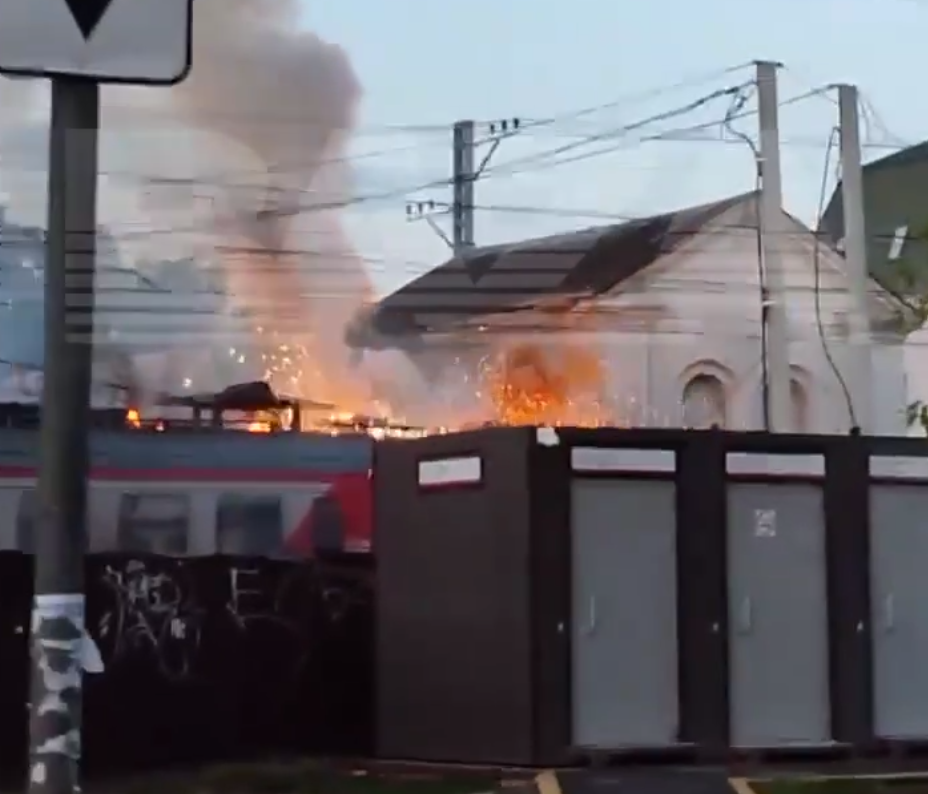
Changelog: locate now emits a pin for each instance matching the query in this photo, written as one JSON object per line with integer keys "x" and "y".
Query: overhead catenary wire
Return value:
{"x": 545, "y": 159}
{"x": 622, "y": 130}
{"x": 613, "y": 133}
{"x": 737, "y": 105}
{"x": 301, "y": 207}
{"x": 548, "y": 159}
{"x": 580, "y": 213}
{"x": 260, "y": 258}
{"x": 873, "y": 119}
{"x": 817, "y": 276}
{"x": 530, "y": 124}
{"x": 707, "y": 136}
{"x": 538, "y": 161}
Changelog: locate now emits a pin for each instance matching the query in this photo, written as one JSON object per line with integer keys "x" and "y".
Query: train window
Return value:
{"x": 252, "y": 525}
{"x": 154, "y": 523}
{"x": 26, "y": 514}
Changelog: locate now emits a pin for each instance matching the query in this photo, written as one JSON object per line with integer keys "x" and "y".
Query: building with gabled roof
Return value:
{"x": 672, "y": 305}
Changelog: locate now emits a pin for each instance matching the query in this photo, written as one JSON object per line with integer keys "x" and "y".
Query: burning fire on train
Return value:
{"x": 244, "y": 470}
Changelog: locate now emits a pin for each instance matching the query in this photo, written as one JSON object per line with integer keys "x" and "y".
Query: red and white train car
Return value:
{"x": 196, "y": 493}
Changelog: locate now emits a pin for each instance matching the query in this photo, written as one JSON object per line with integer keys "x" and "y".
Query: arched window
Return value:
{"x": 704, "y": 402}
{"x": 799, "y": 402}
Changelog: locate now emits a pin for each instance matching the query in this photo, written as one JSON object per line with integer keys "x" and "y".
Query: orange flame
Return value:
{"x": 531, "y": 385}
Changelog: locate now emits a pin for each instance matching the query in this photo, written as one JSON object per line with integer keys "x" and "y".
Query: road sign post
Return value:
{"x": 79, "y": 44}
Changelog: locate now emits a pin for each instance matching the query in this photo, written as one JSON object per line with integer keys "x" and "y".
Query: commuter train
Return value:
{"x": 197, "y": 487}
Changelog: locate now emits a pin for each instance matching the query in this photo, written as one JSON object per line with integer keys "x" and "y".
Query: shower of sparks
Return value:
{"x": 524, "y": 384}
{"x": 533, "y": 385}
{"x": 527, "y": 384}
{"x": 290, "y": 369}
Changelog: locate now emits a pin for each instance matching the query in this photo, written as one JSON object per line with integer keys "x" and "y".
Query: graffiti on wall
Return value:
{"x": 224, "y": 656}
{"x": 148, "y": 611}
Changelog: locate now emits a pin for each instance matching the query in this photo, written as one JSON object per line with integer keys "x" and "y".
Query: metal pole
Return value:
{"x": 462, "y": 205}
{"x": 772, "y": 228}
{"x": 57, "y": 626}
{"x": 855, "y": 256}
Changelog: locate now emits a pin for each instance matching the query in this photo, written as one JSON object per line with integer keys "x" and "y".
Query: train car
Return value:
{"x": 183, "y": 488}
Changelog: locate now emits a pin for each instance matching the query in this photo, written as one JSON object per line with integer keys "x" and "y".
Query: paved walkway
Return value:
{"x": 650, "y": 780}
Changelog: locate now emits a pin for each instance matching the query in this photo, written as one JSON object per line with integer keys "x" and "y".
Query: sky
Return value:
{"x": 423, "y": 65}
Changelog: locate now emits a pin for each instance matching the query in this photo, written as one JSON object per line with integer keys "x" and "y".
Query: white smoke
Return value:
{"x": 246, "y": 158}
{"x": 286, "y": 101}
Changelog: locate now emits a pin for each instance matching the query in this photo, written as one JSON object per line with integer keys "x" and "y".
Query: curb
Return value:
{"x": 741, "y": 785}
{"x": 547, "y": 783}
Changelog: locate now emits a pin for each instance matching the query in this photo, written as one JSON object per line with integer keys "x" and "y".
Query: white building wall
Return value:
{"x": 890, "y": 387}
{"x": 709, "y": 290}
{"x": 915, "y": 355}
{"x": 698, "y": 312}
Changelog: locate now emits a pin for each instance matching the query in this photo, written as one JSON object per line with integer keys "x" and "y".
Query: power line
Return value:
{"x": 295, "y": 119}
{"x": 795, "y": 141}
{"x": 551, "y": 158}
{"x": 445, "y": 182}
{"x": 673, "y": 134}
{"x": 618, "y": 132}
{"x": 579, "y": 212}
{"x": 637, "y": 96}
{"x": 873, "y": 118}
{"x": 817, "y": 291}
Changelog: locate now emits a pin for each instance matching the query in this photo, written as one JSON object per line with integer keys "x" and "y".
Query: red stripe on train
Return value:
{"x": 349, "y": 527}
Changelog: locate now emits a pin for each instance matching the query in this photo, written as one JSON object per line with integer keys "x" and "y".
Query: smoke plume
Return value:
{"x": 258, "y": 135}
{"x": 284, "y": 101}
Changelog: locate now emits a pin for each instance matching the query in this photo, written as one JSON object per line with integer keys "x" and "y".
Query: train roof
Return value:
{"x": 118, "y": 443}
{"x": 240, "y": 398}
{"x": 116, "y": 451}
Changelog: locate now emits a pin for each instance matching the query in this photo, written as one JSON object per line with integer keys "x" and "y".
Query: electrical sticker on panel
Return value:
{"x": 765, "y": 523}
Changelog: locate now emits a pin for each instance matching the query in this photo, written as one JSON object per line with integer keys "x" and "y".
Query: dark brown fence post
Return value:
{"x": 703, "y": 598}
{"x": 847, "y": 537}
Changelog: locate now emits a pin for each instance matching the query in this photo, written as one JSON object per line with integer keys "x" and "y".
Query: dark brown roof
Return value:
{"x": 530, "y": 274}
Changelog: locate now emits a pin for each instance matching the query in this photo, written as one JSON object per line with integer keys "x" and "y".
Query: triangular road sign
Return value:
{"x": 144, "y": 42}
{"x": 87, "y": 14}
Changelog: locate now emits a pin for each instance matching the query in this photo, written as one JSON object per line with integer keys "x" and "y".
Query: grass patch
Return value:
{"x": 908, "y": 784}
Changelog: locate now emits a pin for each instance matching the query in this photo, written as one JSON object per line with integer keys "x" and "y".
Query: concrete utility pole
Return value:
{"x": 779, "y": 407}
{"x": 62, "y": 531}
{"x": 464, "y": 176}
{"x": 855, "y": 256}
{"x": 465, "y": 173}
